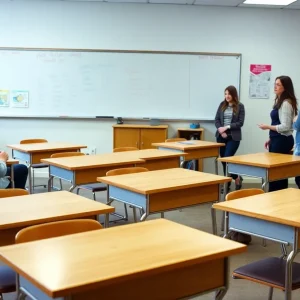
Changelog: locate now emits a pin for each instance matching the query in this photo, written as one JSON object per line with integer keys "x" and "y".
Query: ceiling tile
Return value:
{"x": 295, "y": 5}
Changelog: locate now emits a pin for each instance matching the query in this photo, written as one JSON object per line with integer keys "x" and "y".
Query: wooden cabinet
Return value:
{"x": 140, "y": 136}
{"x": 192, "y": 134}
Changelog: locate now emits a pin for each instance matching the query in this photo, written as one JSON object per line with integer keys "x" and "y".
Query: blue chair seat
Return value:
{"x": 7, "y": 280}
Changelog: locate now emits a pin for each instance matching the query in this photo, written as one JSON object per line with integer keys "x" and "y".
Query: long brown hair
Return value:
{"x": 235, "y": 99}
{"x": 288, "y": 93}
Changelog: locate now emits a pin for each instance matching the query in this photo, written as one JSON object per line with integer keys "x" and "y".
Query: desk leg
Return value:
{"x": 214, "y": 221}
{"x": 224, "y": 197}
{"x": 106, "y": 222}
{"x": 50, "y": 183}
{"x": 12, "y": 176}
{"x": 73, "y": 186}
{"x": 109, "y": 201}
{"x": 145, "y": 213}
{"x": 143, "y": 217}
{"x": 225, "y": 228}
{"x": 265, "y": 182}
{"x": 220, "y": 294}
{"x": 134, "y": 214}
{"x": 288, "y": 268}
{"x": 30, "y": 179}
{"x": 216, "y": 166}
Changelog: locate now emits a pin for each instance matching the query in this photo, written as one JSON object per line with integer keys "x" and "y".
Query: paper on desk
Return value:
{"x": 187, "y": 143}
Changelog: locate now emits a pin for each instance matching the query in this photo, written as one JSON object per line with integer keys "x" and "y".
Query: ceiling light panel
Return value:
{"x": 171, "y": 1}
{"x": 126, "y": 1}
{"x": 219, "y": 2}
{"x": 269, "y": 2}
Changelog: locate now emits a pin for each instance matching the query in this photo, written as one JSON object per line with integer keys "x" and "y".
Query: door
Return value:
{"x": 152, "y": 135}
{"x": 126, "y": 137}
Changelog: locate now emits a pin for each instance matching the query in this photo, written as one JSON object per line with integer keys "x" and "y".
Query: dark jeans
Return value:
{"x": 297, "y": 180}
{"x": 20, "y": 176}
{"x": 229, "y": 149}
{"x": 280, "y": 144}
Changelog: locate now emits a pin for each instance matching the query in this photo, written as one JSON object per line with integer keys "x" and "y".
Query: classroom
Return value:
{"x": 214, "y": 40}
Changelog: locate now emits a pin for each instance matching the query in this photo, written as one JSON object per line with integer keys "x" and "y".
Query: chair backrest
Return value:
{"x": 33, "y": 141}
{"x": 4, "y": 193}
{"x": 55, "y": 229}
{"x": 175, "y": 140}
{"x": 243, "y": 193}
{"x": 66, "y": 154}
{"x": 122, "y": 149}
{"x": 122, "y": 171}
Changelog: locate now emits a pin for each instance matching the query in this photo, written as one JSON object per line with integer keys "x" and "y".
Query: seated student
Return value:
{"x": 20, "y": 173}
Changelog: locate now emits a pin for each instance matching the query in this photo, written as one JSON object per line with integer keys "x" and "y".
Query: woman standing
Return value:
{"x": 229, "y": 120}
{"x": 296, "y": 126}
{"x": 281, "y": 138}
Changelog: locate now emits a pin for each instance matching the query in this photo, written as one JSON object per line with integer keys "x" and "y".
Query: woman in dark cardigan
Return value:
{"x": 229, "y": 120}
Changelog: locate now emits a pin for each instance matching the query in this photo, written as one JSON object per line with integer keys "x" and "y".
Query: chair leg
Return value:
{"x": 264, "y": 242}
{"x": 22, "y": 296}
{"x": 77, "y": 192}
{"x": 283, "y": 251}
{"x": 162, "y": 214}
{"x": 60, "y": 183}
{"x": 32, "y": 169}
{"x": 270, "y": 296}
{"x": 134, "y": 214}
{"x": 94, "y": 196}
{"x": 126, "y": 212}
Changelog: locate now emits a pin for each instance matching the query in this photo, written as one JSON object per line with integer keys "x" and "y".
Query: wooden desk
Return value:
{"x": 267, "y": 166}
{"x": 10, "y": 164}
{"x": 85, "y": 169}
{"x": 163, "y": 190}
{"x": 274, "y": 216}
{"x": 33, "y": 153}
{"x": 157, "y": 259}
{"x": 22, "y": 211}
{"x": 194, "y": 150}
{"x": 155, "y": 159}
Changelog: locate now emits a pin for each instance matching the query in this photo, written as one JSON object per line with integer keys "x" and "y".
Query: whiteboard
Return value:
{"x": 129, "y": 84}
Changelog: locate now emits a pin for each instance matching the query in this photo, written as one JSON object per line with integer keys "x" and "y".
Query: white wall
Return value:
{"x": 262, "y": 37}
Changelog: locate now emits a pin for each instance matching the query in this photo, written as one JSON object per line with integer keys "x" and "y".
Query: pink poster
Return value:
{"x": 260, "y": 80}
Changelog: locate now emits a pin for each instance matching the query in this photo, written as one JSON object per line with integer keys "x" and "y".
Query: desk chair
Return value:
{"x": 36, "y": 166}
{"x": 64, "y": 154}
{"x": 51, "y": 230}
{"x": 175, "y": 140}
{"x": 4, "y": 193}
{"x": 122, "y": 149}
{"x": 56, "y": 229}
{"x": 7, "y": 275}
{"x": 240, "y": 237}
{"x": 123, "y": 171}
{"x": 93, "y": 187}
{"x": 269, "y": 271}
